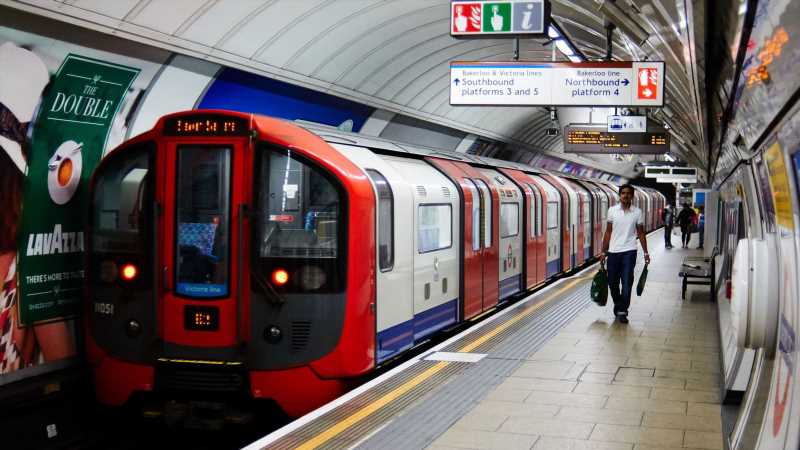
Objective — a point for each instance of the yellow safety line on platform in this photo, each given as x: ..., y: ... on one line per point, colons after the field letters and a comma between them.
x: 412, y: 383
x: 477, y: 342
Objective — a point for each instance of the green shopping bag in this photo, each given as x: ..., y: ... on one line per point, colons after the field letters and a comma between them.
x: 642, y: 281
x: 599, y: 290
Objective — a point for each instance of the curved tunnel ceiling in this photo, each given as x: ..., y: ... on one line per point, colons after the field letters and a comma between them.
x: 395, y: 54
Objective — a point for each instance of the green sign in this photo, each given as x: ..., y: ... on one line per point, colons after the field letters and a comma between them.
x: 496, y: 17
x: 69, y: 136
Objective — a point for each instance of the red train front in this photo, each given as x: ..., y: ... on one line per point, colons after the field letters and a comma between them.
x: 222, y: 263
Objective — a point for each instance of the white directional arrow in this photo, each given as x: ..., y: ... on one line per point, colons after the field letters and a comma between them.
x: 647, y: 92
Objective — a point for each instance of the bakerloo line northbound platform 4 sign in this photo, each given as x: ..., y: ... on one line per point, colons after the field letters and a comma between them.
x: 611, y: 83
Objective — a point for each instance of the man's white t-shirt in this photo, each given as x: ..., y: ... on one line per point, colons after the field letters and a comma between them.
x: 623, y: 231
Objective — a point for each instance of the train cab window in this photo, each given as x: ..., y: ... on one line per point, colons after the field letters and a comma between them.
x: 552, y: 215
x: 299, y: 227
x: 203, y: 221
x: 385, y: 220
x: 435, y: 227
x: 476, y: 214
x: 486, y: 210
x: 122, y: 215
x: 509, y: 219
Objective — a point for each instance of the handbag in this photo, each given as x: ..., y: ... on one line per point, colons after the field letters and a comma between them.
x: 642, y: 281
x: 599, y: 289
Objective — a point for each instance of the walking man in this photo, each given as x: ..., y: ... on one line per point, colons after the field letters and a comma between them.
x: 685, y: 220
x: 669, y: 221
x: 625, y: 224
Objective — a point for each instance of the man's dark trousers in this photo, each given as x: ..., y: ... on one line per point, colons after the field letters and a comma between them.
x: 667, y: 236
x: 620, y: 268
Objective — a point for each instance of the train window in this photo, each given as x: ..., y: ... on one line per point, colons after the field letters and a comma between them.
x: 486, y: 210
x: 509, y: 219
x: 298, y: 224
x: 552, y: 215
x: 586, y: 213
x: 203, y: 221
x: 385, y: 221
x: 122, y: 214
x: 434, y: 229
x: 536, y: 206
x: 765, y: 194
x: 476, y: 214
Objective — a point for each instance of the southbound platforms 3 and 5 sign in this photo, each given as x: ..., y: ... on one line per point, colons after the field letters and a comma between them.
x: 557, y: 83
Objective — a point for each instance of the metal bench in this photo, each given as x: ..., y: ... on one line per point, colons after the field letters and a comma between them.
x: 697, y: 270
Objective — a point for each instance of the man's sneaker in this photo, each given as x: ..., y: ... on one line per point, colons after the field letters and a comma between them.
x: 623, y: 319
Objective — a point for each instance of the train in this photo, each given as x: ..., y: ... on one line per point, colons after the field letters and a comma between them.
x: 235, y: 257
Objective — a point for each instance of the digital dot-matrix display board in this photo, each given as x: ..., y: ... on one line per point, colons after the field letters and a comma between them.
x: 206, y: 125
x: 596, y: 139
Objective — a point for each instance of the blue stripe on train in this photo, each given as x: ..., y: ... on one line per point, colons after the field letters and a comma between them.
x: 510, y: 286
x: 392, y: 341
x: 553, y: 267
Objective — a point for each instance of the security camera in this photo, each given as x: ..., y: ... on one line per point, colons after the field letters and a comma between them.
x: 551, y: 131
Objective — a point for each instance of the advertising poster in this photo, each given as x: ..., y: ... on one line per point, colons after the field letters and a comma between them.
x: 62, y: 106
x: 68, y: 141
x: 776, y: 421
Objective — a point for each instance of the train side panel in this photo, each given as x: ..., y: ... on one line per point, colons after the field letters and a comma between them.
x: 436, y: 239
x: 394, y: 278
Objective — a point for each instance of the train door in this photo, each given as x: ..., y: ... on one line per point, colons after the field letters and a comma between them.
x: 585, y: 234
x: 537, y: 232
x: 533, y: 241
x: 511, y: 254
x: 203, y: 242
x: 597, y: 226
x: 490, y: 217
x: 435, y: 245
x: 640, y: 201
x: 552, y: 224
x: 602, y: 217
x: 572, y: 217
x: 472, y: 245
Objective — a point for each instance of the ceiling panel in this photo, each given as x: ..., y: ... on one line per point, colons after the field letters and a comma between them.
x: 218, y: 20
x: 396, y: 53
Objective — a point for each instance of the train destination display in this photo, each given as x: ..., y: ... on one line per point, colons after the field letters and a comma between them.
x: 595, y: 139
x: 595, y: 83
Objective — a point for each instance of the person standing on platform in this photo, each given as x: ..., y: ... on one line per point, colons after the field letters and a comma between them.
x: 701, y: 225
x: 669, y: 222
x: 625, y: 224
x: 685, y: 219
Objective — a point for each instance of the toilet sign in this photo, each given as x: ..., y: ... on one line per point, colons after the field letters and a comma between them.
x: 490, y: 18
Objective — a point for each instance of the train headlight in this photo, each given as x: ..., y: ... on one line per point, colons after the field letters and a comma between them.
x: 312, y: 278
x: 280, y: 277
x: 273, y: 334
x: 133, y: 328
x: 129, y: 272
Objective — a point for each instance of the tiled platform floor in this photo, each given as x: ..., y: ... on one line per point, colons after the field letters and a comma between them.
x: 598, y: 384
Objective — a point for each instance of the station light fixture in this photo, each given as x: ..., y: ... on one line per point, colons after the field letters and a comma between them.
x: 563, y: 44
